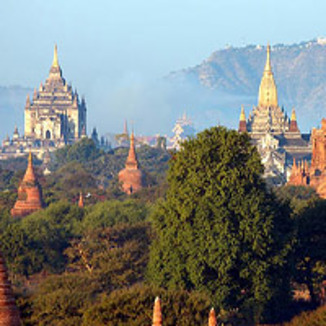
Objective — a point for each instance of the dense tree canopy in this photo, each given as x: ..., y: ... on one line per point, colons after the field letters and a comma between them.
x: 219, y: 230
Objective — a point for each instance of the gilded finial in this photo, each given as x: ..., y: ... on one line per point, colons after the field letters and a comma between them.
x: 267, y: 91
x: 293, y: 115
x: 268, y: 66
x: 242, y: 114
x: 55, y: 62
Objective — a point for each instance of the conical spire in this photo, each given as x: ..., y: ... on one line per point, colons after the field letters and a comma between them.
x: 293, y: 115
x: 81, y: 200
x: 55, y: 62
x: 157, y: 313
x: 9, y: 314
x: 212, y: 318
x: 131, y: 162
x: 29, y: 174
x: 125, y: 128
x: 267, y: 90
x: 242, y: 121
x: 268, y: 66
x: 28, y: 101
x: 293, y: 122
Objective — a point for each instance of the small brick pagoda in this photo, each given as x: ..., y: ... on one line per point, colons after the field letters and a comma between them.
x: 315, y: 175
x: 9, y: 314
x: 29, y: 193
x: 131, y: 176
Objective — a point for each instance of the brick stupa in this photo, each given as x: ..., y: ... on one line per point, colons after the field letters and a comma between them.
x: 157, y: 313
x: 131, y: 176
x: 9, y: 314
x: 29, y: 193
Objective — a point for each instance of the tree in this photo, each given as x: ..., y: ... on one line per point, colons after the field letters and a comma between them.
x: 219, y: 230
x: 310, y: 253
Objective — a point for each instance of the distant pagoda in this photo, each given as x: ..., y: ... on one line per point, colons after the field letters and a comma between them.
x: 54, y: 117
x: 55, y: 112
x: 131, y: 176
x: 277, y: 138
x: 29, y: 193
x: 9, y: 314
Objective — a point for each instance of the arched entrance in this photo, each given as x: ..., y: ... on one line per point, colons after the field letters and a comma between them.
x: 48, y: 134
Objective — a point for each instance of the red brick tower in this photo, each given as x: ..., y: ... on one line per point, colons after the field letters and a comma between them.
x: 157, y: 313
x: 242, y: 121
x: 9, y: 314
x: 293, y: 124
x: 29, y: 193
x: 131, y: 176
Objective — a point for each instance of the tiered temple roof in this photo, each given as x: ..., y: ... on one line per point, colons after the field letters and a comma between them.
x: 55, y: 112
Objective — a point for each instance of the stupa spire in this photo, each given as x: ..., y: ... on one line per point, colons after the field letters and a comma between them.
x: 125, y: 128
x: 293, y: 122
x: 212, y: 318
x: 267, y: 90
x: 81, y: 200
x: 131, y: 162
x: 55, y: 62
x: 242, y: 121
x: 157, y: 313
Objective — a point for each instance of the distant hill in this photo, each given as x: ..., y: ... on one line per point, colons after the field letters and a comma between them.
x: 12, y: 103
x: 299, y: 69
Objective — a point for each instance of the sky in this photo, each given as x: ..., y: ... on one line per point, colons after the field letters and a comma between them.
x: 116, y: 52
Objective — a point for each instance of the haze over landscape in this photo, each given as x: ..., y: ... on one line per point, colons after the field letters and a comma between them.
x: 118, y: 53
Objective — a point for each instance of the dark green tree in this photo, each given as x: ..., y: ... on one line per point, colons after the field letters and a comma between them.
x: 219, y: 230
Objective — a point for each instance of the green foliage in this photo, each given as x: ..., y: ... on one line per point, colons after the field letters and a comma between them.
x: 310, y: 253
x: 134, y: 307
x: 37, y: 242
x: 61, y: 300
x: 313, y: 318
x: 115, y: 257
x: 109, y: 213
x: 219, y: 230
x: 83, y: 151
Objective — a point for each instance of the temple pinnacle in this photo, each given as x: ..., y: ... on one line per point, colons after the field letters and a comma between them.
x: 293, y: 116
x: 242, y: 114
x: 157, y: 313
x: 268, y: 66
x: 267, y: 90
x: 212, y: 318
x: 55, y: 62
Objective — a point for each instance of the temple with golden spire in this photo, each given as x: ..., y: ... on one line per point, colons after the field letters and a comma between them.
x: 278, y: 138
x: 29, y: 193
x: 131, y: 177
x: 54, y: 116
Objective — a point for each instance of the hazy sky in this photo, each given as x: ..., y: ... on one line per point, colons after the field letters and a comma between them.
x: 112, y: 50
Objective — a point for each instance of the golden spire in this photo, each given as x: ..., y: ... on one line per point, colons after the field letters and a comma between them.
x: 55, y: 62
x: 268, y: 66
x: 157, y: 313
x: 293, y: 116
x: 212, y: 318
x: 131, y: 162
x: 242, y: 114
x: 267, y: 90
